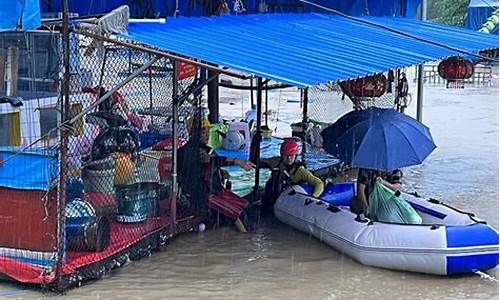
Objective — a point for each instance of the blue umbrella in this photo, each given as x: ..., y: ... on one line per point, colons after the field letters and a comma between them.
x: 380, y: 139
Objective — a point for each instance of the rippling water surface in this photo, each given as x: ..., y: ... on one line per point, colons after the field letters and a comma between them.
x: 278, y: 262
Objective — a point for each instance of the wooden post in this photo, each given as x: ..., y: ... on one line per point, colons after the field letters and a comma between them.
x: 12, y: 70
x: 258, y: 136
x: 213, y: 97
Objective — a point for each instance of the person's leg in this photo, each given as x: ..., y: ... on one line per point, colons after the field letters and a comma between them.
x: 356, y: 206
x: 232, y: 206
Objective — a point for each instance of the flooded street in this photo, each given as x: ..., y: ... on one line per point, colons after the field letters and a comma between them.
x: 278, y: 262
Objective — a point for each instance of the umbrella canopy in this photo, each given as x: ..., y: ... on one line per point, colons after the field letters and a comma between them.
x: 380, y: 139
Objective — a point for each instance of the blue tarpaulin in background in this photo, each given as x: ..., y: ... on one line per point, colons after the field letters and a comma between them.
x: 20, y: 15
x: 479, y: 11
x: 197, y: 8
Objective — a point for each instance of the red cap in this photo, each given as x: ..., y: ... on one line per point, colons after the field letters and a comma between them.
x: 289, y: 147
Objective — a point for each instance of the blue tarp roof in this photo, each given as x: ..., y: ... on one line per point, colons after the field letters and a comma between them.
x: 307, y: 49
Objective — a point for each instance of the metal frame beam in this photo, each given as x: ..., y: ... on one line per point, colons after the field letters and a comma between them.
x: 160, y: 53
x: 248, y: 88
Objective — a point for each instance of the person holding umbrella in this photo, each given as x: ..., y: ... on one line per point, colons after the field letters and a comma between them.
x: 366, y: 181
x: 379, y: 142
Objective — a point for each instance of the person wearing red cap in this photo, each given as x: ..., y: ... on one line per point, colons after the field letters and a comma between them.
x: 288, y: 172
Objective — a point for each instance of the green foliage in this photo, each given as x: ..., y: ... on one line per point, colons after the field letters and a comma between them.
x: 451, y: 12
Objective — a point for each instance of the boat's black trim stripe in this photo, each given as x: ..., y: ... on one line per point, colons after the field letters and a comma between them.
x: 448, y: 251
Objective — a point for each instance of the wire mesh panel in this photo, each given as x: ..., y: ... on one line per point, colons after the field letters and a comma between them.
x: 72, y: 209
x: 119, y: 160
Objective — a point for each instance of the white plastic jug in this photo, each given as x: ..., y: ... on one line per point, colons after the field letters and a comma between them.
x: 242, y: 128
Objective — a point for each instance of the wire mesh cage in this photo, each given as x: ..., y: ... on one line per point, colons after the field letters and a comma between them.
x: 86, y: 183
x: 119, y: 165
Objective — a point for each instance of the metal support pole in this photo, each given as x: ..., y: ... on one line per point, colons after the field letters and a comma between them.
x: 258, y: 136
x: 420, y: 84
x: 150, y: 77
x: 424, y: 10
x: 61, y: 192
x: 175, y: 116
x: 420, y: 92
x: 252, y: 102
x: 266, y: 114
x: 305, y: 100
x: 12, y: 70
x: 213, y: 97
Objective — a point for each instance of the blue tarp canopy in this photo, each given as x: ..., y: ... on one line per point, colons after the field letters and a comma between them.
x: 20, y: 14
x: 479, y: 11
x: 197, y: 8
x: 307, y: 49
x: 34, y: 169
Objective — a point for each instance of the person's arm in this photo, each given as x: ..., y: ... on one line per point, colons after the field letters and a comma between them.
x: 245, y: 164
x: 393, y: 186
x: 362, y: 197
x: 393, y: 181
x: 223, y: 161
x: 305, y: 175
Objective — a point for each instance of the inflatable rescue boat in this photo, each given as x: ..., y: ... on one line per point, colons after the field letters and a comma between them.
x: 448, y: 241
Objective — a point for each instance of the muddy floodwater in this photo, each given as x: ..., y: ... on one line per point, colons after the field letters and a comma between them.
x: 278, y: 262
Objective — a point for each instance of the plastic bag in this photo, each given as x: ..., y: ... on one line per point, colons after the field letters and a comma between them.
x: 386, y: 207
x: 216, y: 133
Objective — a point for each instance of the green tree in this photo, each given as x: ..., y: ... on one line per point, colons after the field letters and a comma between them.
x: 451, y: 12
